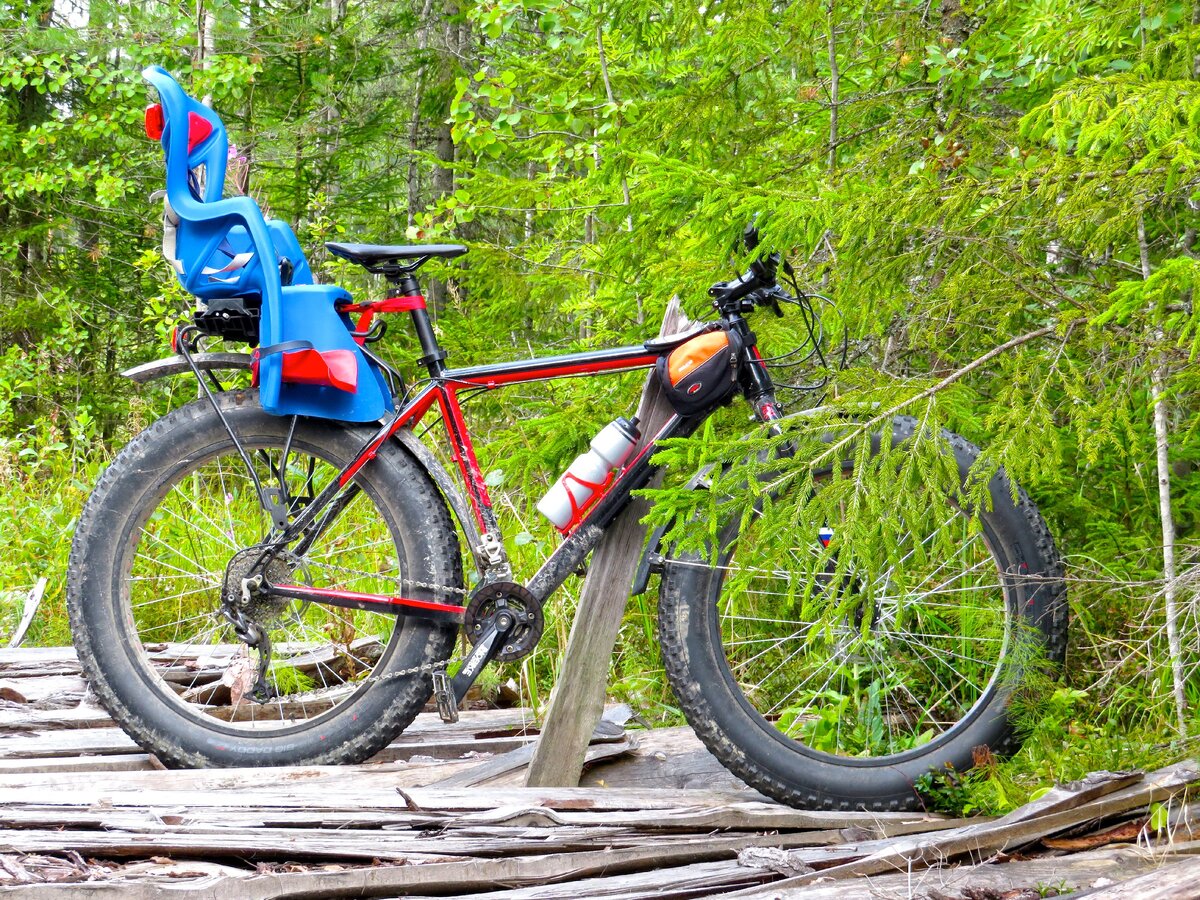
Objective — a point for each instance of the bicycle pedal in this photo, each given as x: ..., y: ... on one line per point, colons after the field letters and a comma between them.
x: 443, y: 693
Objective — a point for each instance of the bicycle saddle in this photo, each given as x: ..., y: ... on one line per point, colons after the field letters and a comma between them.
x: 371, y: 256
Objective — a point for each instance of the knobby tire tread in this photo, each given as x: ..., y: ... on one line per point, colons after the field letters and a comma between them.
x: 408, y: 696
x: 678, y: 582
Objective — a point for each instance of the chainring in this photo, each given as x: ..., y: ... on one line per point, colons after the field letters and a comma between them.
x: 485, y: 603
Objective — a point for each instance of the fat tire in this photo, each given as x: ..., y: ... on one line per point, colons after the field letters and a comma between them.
x: 793, y: 773
x: 106, y: 638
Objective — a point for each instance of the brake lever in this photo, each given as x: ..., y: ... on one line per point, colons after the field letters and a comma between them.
x: 775, y: 307
x: 770, y: 297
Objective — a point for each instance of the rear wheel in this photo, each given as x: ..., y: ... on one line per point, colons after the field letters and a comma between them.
x: 176, y: 512
x: 830, y: 674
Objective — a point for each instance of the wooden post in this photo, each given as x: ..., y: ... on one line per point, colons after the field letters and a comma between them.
x: 577, y: 701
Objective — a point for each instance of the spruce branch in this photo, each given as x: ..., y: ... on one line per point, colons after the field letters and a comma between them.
x: 932, y: 390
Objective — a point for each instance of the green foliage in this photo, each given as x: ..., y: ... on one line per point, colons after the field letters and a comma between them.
x: 991, y: 172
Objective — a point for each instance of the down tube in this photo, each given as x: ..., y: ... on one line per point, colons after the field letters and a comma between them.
x: 571, y: 553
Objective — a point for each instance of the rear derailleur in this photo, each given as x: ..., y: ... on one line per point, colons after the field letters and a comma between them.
x: 243, y: 604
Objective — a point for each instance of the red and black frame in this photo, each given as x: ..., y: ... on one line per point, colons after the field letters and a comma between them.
x: 442, y: 389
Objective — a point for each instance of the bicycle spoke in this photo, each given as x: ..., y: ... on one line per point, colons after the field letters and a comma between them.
x: 888, y: 653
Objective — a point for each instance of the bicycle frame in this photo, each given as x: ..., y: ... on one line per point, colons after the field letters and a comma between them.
x: 442, y: 391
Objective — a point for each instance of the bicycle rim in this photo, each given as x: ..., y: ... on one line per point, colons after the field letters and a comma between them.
x: 874, y: 649
x: 176, y: 563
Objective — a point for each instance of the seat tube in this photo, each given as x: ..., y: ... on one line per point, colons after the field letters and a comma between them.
x: 432, y: 355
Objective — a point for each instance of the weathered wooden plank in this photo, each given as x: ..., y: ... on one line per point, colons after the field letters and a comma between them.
x: 33, y: 600
x: 152, y: 814
x: 426, y: 731
x: 609, y: 729
x: 706, y: 879
x: 578, y: 695
x: 16, y: 717
x: 371, y: 787
x: 110, y: 834
x: 1072, y: 875
x: 38, y: 661
x: 518, y: 759
x: 89, y: 741
x: 250, y: 843
x: 666, y: 757
x: 981, y: 840
x: 15, y: 662
x: 992, y: 880
x: 1074, y: 794
x: 1174, y: 881
x: 1077, y: 872
x: 439, y: 877
x: 401, y: 751
x: 124, y: 762
x: 44, y: 692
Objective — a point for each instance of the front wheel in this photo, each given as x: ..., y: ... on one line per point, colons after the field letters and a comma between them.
x: 834, y: 673
x: 163, y: 535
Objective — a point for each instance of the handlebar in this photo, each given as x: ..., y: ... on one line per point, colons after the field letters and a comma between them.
x: 755, y: 287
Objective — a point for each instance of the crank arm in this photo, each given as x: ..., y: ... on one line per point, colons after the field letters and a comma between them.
x: 481, y: 654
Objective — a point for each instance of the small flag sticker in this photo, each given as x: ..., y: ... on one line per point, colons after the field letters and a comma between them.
x: 825, y: 535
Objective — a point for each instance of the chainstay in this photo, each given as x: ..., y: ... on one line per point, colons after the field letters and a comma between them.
x: 424, y: 668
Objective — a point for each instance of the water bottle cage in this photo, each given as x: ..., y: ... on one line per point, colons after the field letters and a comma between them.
x: 578, y: 511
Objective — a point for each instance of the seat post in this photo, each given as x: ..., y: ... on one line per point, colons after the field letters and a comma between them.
x: 433, y: 358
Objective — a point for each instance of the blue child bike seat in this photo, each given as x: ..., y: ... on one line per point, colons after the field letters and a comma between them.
x: 308, y: 362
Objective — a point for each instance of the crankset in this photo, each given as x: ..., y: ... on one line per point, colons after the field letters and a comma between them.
x: 514, y: 599
x: 503, y: 621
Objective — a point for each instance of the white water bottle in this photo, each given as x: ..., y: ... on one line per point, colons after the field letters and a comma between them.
x: 571, y: 493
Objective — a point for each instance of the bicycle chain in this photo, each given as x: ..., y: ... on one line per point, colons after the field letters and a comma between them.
x: 424, y: 669
x: 430, y: 667
x: 444, y: 588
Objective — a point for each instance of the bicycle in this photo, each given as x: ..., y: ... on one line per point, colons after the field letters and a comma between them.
x: 274, y: 575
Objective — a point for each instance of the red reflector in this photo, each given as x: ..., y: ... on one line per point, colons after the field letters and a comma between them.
x: 335, y: 368
x: 175, y: 339
x: 155, y: 122
x: 198, y: 129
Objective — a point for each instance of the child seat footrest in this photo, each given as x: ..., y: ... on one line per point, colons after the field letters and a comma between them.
x: 302, y: 364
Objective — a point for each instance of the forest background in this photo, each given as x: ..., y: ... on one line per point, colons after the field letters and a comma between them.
x: 957, y: 177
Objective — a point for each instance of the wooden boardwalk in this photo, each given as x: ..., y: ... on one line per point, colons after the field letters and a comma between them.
x: 442, y: 812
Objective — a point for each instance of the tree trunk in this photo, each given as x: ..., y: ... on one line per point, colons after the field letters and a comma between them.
x: 329, y: 111
x: 1162, y: 447
x: 205, y: 41
x: 834, y: 86
x: 414, y: 124
x: 442, y: 182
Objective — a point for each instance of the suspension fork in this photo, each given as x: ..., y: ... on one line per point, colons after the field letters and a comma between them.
x: 755, y: 380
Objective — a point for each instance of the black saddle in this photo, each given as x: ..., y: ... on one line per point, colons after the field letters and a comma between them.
x: 385, y: 259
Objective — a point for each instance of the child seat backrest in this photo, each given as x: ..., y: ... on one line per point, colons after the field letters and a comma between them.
x: 213, y: 255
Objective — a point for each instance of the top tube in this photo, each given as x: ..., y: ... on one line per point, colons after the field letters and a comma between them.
x: 547, y: 368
